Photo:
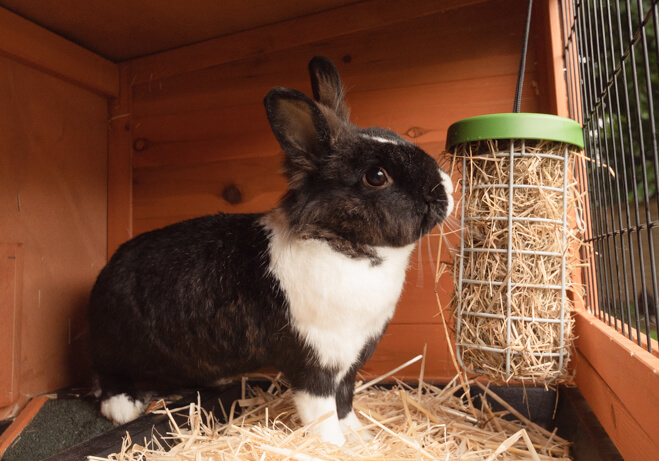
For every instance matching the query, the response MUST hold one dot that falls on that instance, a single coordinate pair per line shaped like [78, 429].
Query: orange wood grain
[210, 135]
[322, 26]
[403, 342]
[631, 439]
[124, 29]
[556, 64]
[635, 336]
[11, 294]
[421, 51]
[53, 196]
[26, 42]
[619, 380]
[120, 165]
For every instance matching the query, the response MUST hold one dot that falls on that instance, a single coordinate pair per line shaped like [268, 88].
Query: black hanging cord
[522, 62]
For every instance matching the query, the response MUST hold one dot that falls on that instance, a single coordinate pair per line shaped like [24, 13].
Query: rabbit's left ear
[298, 124]
[326, 86]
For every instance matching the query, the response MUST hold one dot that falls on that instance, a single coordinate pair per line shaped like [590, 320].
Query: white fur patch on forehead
[380, 139]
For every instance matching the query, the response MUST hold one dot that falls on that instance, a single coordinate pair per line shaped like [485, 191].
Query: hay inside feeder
[517, 254]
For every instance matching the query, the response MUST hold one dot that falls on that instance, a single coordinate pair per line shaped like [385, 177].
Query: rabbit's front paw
[330, 431]
[353, 430]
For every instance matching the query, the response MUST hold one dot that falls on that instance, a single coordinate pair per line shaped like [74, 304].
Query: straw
[401, 422]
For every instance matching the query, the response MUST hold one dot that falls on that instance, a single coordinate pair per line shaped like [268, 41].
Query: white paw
[352, 428]
[330, 431]
[313, 408]
[121, 408]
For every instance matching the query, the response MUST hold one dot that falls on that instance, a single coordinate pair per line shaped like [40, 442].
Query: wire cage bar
[611, 53]
[516, 257]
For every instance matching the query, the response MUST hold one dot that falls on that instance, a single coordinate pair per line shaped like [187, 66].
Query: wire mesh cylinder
[513, 273]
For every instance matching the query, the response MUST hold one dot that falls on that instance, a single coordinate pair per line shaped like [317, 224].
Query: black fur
[194, 302]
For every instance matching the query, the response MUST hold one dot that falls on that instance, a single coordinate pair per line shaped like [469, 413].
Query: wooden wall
[53, 226]
[192, 123]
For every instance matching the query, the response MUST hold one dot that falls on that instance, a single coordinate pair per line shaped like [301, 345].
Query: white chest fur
[337, 303]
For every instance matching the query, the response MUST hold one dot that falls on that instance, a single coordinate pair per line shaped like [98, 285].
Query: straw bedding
[406, 423]
[510, 308]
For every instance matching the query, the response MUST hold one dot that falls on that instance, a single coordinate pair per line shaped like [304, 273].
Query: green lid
[515, 126]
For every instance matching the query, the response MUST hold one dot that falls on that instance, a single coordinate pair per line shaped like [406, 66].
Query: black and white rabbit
[308, 287]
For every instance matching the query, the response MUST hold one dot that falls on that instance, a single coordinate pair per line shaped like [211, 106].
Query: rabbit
[307, 288]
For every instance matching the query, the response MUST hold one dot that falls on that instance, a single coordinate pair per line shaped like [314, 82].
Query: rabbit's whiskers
[419, 262]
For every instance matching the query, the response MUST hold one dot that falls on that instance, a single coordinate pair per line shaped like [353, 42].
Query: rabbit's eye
[377, 178]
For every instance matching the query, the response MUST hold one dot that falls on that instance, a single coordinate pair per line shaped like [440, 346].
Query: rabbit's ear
[326, 86]
[298, 124]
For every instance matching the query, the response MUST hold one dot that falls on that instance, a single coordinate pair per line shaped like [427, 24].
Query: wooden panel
[120, 165]
[33, 45]
[53, 195]
[286, 35]
[11, 292]
[418, 303]
[431, 107]
[411, 54]
[556, 64]
[170, 194]
[403, 342]
[125, 29]
[619, 380]
[632, 440]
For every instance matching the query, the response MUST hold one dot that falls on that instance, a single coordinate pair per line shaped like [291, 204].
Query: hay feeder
[516, 255]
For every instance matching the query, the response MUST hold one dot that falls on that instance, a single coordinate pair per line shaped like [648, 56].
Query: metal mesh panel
[612, 72]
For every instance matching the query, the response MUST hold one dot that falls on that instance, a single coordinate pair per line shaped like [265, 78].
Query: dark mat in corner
[71, 428]
[152, 425]
[59, 424]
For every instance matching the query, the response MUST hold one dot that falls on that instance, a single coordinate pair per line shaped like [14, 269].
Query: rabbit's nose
[442, 191]
[446, 182]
